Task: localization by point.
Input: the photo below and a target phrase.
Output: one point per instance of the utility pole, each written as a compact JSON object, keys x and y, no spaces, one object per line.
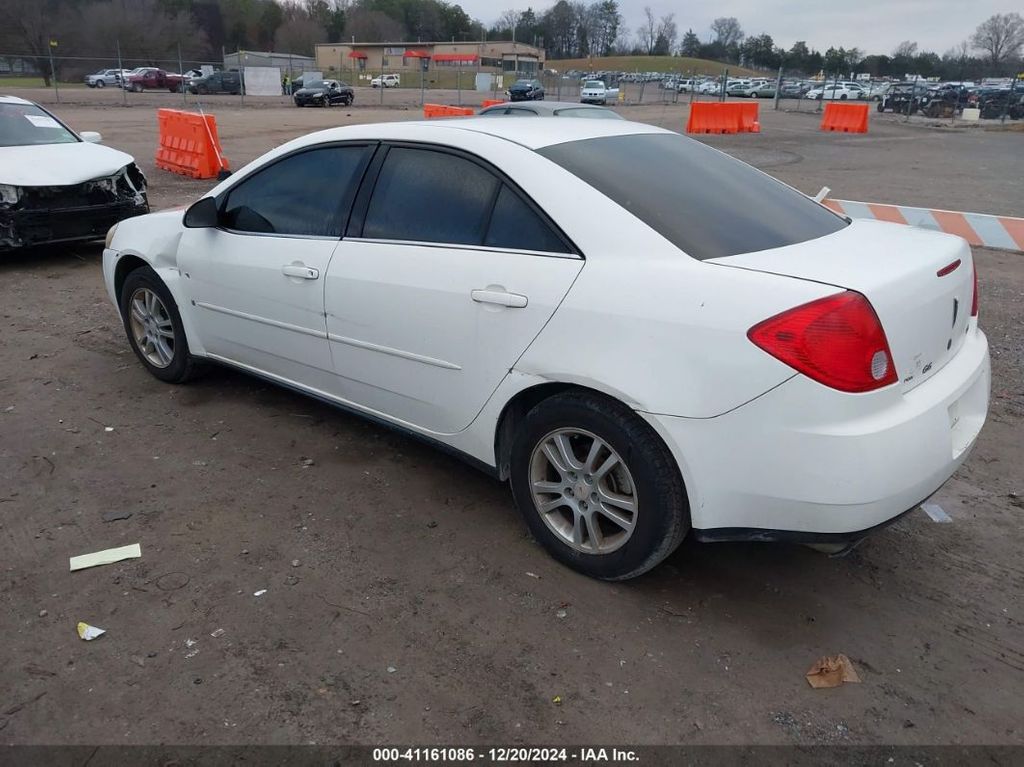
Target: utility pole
{"x":120,"y":77}
{"x":53,"y":71}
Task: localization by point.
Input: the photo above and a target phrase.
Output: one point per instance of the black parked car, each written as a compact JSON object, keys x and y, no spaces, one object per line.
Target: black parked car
{"x":994,"y":102}
{"x":903,"y":98}
{"x":945,"y":101}
{"x":526,"y":90}
{"x":217,"y":82}
{"x":324,"y":93}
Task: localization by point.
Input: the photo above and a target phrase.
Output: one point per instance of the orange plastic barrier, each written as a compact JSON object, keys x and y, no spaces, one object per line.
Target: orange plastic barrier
{"x":723,"y":117}
{"x":845,"y":118}
{"x":189,"y":144}
{"x":491,"y":103}
{"x":430,"y":111}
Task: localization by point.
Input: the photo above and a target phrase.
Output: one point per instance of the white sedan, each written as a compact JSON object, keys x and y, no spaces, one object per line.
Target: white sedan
{"x":661,"y":343}
{"x":837,"y":92}
{"x":57,"y":185}
{"x":596,"y":92}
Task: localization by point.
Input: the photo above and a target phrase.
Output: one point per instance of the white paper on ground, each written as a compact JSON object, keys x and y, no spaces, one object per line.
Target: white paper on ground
{"x":936,"y":512}
{"x":88,"y":633}
{"x":106,"y":557}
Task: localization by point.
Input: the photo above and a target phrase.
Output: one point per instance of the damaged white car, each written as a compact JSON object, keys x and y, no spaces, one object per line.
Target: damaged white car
{"x":57,"y":185}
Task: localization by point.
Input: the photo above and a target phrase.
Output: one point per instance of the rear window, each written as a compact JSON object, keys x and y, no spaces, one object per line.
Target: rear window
{"x":704,"y":202}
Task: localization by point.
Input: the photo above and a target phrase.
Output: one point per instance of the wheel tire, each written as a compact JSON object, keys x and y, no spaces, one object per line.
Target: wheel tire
{"x":662,"y":518}
{"x":842,"y":97}
{"x":100,"y":84}
{"x":183,"y":366}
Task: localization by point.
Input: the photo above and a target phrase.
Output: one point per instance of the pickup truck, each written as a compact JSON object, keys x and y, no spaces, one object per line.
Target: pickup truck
{"x":152,"y":78}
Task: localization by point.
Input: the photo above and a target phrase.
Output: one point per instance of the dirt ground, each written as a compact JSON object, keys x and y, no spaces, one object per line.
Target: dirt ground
{"x":404,"y":600}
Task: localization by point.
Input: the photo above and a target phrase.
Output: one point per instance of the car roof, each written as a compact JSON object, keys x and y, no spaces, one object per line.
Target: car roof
{"x":545,"y":107}
{"x":532,"y":134}
{"x":14,"y":100}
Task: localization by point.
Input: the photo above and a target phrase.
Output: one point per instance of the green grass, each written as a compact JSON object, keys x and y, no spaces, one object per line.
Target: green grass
{"x":681,"y":64}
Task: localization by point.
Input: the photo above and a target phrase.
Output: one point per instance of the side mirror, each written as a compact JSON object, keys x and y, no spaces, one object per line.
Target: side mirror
{"x":91,"y":136}
{"x":202,"y":214}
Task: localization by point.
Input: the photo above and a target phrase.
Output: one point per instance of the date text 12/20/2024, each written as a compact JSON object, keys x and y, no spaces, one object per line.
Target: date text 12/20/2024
{"x":529,"y":754}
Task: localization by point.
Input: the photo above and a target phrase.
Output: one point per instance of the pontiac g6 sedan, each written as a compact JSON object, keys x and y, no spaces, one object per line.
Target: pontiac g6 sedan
{"x":644,"y":336}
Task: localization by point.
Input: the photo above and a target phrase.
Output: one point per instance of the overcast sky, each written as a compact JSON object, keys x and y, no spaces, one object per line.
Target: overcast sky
{"x":874,"y":26}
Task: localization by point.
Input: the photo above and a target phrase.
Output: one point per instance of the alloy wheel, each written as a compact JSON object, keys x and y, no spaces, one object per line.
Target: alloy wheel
{"x":152,"y":327}
{"x":583,"y":491}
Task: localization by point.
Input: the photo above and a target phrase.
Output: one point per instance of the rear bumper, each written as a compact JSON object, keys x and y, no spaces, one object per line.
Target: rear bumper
{"x":803,"y":462}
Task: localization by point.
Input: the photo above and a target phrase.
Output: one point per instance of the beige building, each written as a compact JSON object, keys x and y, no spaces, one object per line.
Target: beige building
{"x":373,"y":58}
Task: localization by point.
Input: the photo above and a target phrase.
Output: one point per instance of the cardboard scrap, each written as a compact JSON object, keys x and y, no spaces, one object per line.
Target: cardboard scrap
{"x":831,"y":671}
{"x":106,"y":557}
{"x":89,"y":633}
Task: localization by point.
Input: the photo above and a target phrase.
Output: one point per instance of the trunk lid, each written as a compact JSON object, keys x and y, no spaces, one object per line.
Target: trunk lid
{"x":922,"y":300}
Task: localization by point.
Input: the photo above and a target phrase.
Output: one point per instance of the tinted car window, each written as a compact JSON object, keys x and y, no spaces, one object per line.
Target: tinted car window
{"x":429,"y":196}
{"x":515,"y":225}
{"x":704,"y":202}
{"x":305,"y":194}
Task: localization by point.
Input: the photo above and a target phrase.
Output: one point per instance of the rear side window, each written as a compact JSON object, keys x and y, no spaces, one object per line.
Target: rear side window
{"x":515,"y":225}
{"x":307,"y":194}
{"x":706,"y":203}
{"x":427,"y":196}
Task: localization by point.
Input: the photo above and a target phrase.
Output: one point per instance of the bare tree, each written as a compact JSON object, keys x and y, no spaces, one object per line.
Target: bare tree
{"x":299,"y":35}
{"x":648,"y":31}
{"x":727,"y":30}
{"x":509,"y":20}
{"x":373,"y":26}
{"x":29,"y":25}
{"x":668,"y":32}
{"x":906,"y":50}
{"x":1000,"y":36}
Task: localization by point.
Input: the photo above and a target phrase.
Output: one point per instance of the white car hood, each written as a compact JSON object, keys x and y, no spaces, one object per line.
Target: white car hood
{"x":59,"y":164}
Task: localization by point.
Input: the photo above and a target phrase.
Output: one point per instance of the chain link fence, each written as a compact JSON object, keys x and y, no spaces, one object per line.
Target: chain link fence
{"x":986,"y":99}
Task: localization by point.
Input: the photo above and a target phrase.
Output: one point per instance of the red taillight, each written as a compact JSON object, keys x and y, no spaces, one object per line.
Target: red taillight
{"x":837,"y":341}
{"x":974,"y":299}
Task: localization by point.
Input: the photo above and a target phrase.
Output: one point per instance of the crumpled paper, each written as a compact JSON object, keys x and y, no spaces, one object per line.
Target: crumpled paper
{"x":831,"y":671}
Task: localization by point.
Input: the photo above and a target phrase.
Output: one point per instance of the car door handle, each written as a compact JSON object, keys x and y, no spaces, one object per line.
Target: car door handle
{"x":300,"y":271}
{"x":499,"y":297}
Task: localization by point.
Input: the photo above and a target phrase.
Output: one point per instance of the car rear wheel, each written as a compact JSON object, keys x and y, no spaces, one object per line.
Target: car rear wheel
{"x":154,"y":328}
{"x":597,"y":486}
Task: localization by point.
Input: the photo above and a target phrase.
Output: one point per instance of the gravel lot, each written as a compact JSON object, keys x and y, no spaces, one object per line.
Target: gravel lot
{"x":405,"y":601}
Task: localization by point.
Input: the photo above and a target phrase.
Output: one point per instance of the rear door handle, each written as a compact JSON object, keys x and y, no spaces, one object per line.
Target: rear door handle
{"x":300,"y":271}
{"x":499,"y":297}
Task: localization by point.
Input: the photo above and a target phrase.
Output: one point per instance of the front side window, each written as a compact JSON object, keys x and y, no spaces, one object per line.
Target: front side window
{"x":427,"y":196}
{"x":306,"y":194}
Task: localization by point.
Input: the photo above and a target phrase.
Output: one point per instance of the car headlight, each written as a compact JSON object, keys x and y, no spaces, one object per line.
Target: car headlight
{"x":110,"y":236}
{"x":9,"y":194}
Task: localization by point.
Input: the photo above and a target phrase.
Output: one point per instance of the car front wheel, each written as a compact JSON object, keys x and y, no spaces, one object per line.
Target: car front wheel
{"x":154,"y":328}
{"x":597,"y":486}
